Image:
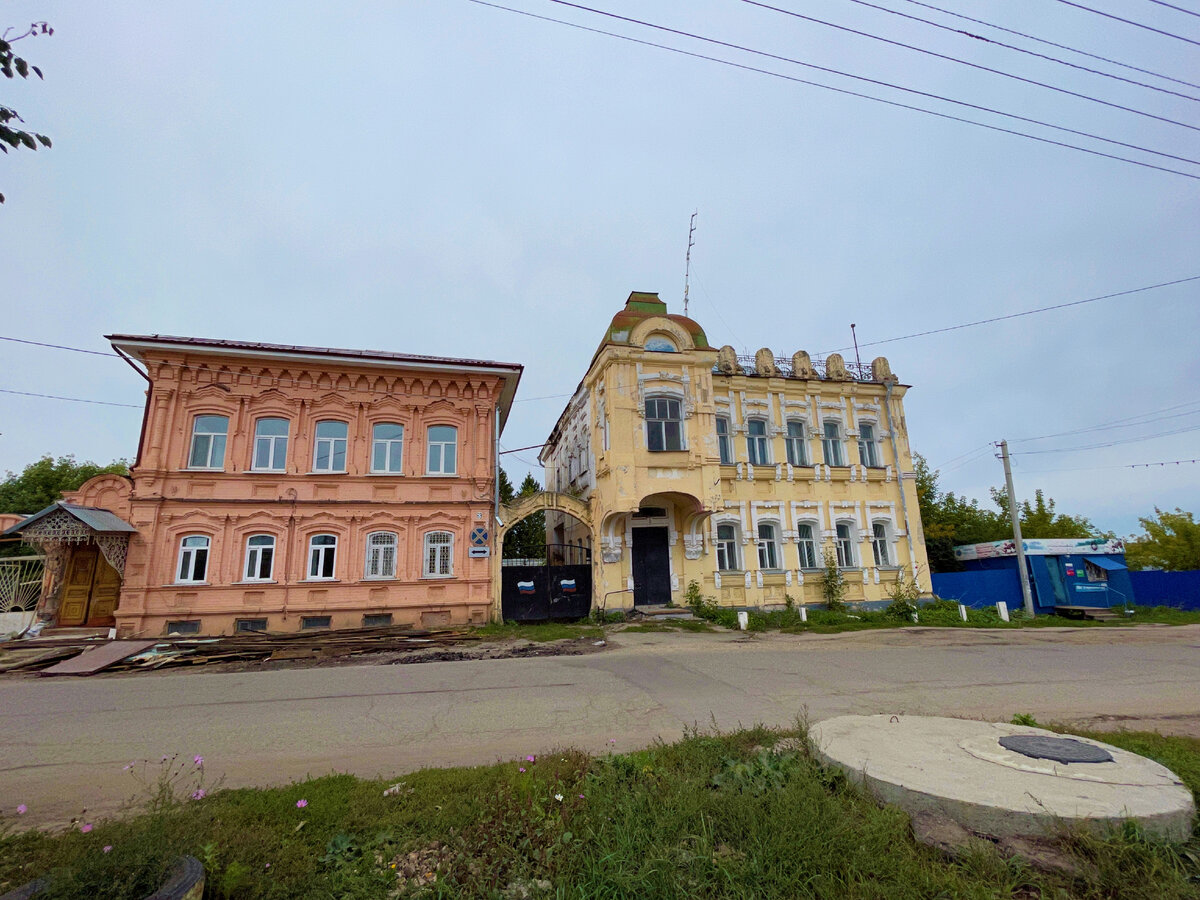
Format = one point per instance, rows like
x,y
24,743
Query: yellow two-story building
x,y
740,474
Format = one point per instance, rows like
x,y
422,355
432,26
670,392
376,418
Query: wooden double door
x,y
91,591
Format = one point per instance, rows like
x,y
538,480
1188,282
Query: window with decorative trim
x,y
260,557
831,444
727,548
270,445
322,557
664,424
868,445
880,544
797,447
442,456
724,441
381,555
193,559
807,546
658,343
844,543
758,448
208,442
387,448
768,545
439,554
329,448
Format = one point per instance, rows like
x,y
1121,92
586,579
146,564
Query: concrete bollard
x,y
803,614
743,619
1002,608
962,611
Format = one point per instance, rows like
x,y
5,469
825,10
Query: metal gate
x,y
558,587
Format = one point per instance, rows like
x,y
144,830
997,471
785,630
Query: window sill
x,y
441,474
386,474
203,469
437,577
254,581
266,471
724,572
189,584
321,581
379,578
328,472
668,450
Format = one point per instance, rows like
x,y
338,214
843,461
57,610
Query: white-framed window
x,y
768,546
208,442
724,441
727,548
831,445
329,448
807,545
879,543
1094,572
387,448
797,449
664,424
439,554
193,559
658,343
381,555
443,450
758,448
844,543
868,446
260,557
270,445
322,556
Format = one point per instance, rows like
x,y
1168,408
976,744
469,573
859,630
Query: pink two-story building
x,y
281,488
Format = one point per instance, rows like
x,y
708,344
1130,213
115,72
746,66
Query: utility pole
x,y
687,272
1015,514
857,360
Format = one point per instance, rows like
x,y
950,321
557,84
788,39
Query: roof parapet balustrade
x,y
765,364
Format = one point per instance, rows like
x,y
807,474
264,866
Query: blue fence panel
x,y
1178,589
979,589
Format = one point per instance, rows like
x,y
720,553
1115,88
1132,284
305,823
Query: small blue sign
x,y
479,536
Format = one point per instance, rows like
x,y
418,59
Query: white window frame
x,y
769,547
797,444
868,448
879,544
215,461
254,558
318,553
725,441
761,441
833,447
186,565
393,450
375,566
430,445
727,548
808,543
276,454
438,555
844,545
331,443
660,423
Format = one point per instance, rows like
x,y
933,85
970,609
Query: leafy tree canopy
x,y
43,482
1171,542
12,66
526,539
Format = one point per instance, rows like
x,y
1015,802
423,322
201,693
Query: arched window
x,y
758,448
443,450
439,554
322,555
727,549
724,441
831,445
879,543
329,448
260,557
768,546
381,555
387,448
660,344
270,445
868,446
193,559
664,424
807,546
797,450
208,442
845,545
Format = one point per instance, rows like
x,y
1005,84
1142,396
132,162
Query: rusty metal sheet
x,y
97,658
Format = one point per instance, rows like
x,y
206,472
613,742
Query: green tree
x,y
1171,542
12,66
43,482
526,539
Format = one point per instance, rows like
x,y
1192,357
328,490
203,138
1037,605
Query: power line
x,y
955,59
58,346
1028,312
1177,9
1170,34
1039,40
1132,440
1034,53
72,399
850,93
1146,419
1149,465
546,397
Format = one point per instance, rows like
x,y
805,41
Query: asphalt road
x,y
63,742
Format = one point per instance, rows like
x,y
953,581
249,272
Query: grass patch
x,y
710,815
540,632
693,625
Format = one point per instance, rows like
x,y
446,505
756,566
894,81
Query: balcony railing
x,y
856,371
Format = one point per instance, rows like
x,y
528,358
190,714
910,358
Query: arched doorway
x,y
557,585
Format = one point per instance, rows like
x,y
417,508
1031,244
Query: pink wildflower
x,y
581,797
531,759
267,866
108,848
127,768
198,794
22,809
522,769
85,827
300,804
198,760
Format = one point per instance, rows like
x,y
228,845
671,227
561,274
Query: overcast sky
x,y
438,176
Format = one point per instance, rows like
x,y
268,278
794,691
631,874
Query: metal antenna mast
x,y
687,271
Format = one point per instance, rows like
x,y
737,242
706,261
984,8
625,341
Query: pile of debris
x,y
49,656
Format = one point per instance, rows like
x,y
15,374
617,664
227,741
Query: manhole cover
x,y
1063,750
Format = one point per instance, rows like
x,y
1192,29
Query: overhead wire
x,y
1149,465
72,399
1131,440
1145,418
58,347
1107,15
1181,9
846,91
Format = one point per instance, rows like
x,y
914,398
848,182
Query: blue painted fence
x,y
1178,589
979,589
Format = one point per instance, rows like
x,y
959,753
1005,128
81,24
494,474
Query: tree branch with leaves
x,y
13,66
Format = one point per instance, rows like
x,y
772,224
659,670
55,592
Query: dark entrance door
x,y
559,588
651,567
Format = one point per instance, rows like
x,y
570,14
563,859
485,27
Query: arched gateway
x,y
557,587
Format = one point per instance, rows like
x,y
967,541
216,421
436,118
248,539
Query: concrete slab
x,y
957,768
